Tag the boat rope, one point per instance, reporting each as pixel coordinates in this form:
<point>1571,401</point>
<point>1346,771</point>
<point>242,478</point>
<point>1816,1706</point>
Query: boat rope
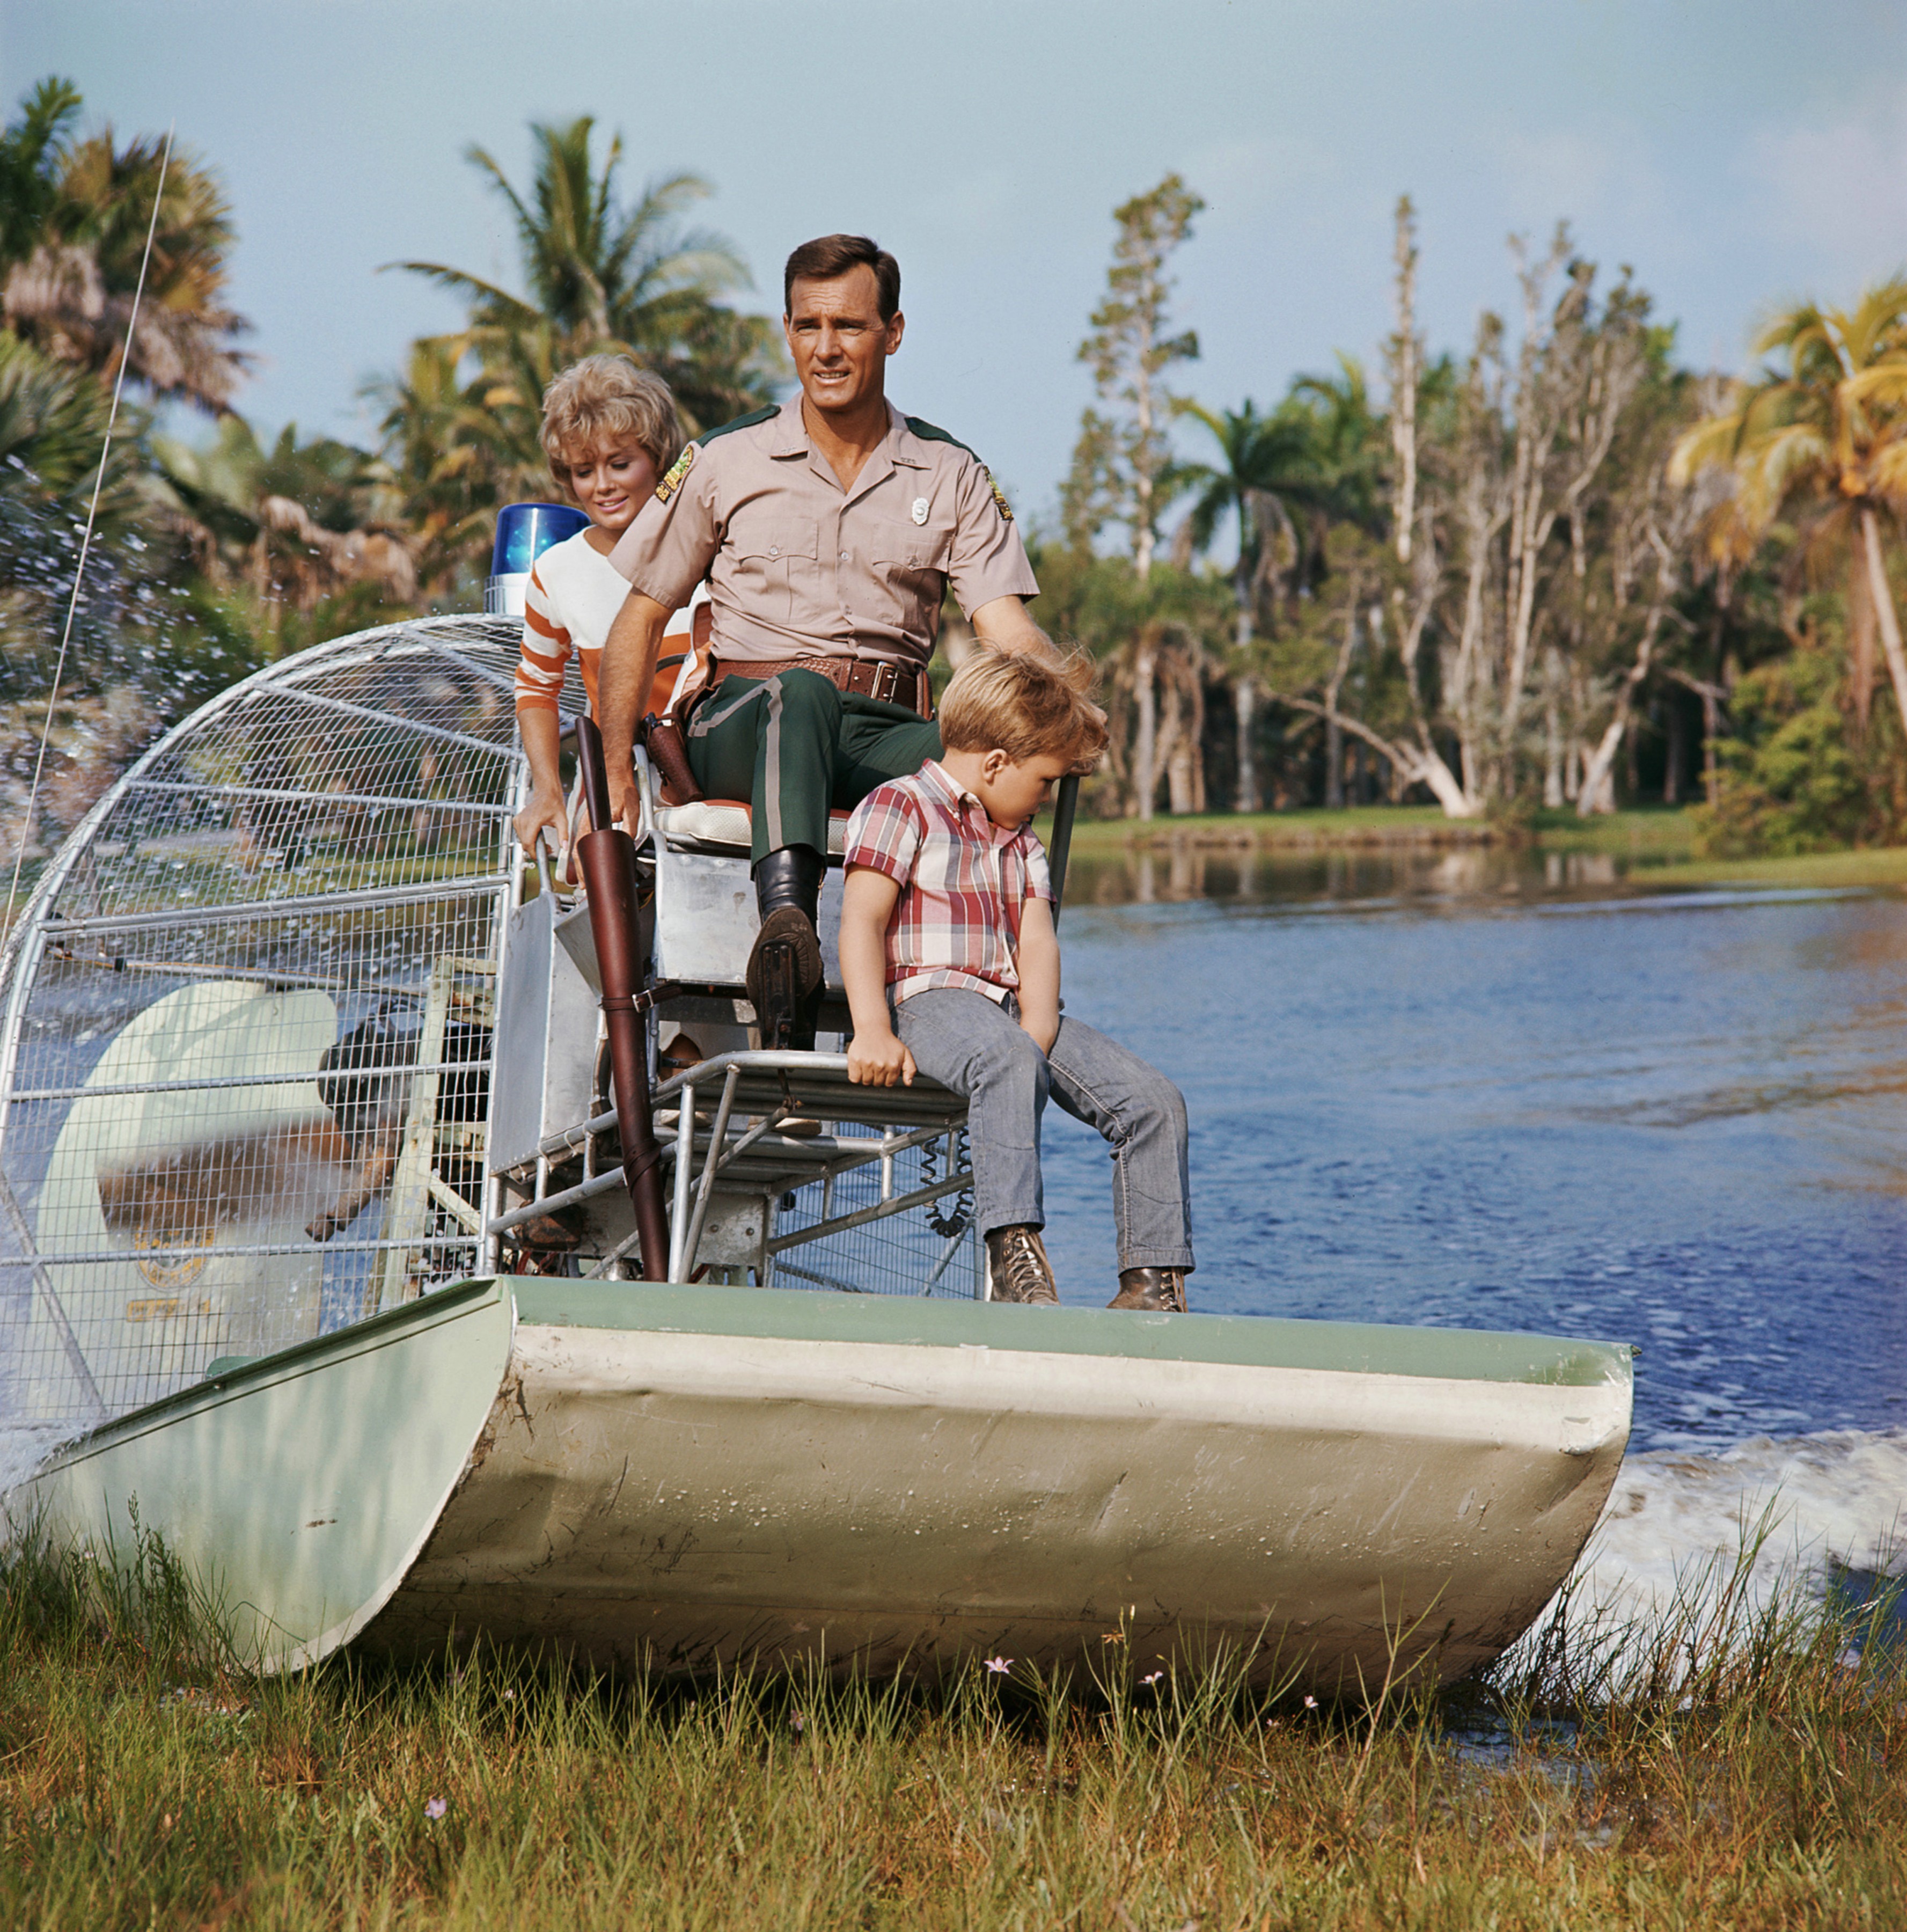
<point>86,539</point>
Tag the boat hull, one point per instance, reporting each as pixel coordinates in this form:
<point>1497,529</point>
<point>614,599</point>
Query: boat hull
<point>682,1478</point>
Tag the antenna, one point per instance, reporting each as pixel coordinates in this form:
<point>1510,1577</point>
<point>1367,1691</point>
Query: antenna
<point>86,542</point>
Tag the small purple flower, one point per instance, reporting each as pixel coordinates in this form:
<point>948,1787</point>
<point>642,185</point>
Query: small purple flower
<point>436,1808</point>
<point>1152,1677</point>
<point>1310,1702</point>
<point>999,1666</point>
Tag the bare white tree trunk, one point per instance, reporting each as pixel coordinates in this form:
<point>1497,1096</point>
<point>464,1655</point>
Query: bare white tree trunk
<point>1333,724</point>
<point>1552,731</point>
<point>1598,791</point>
<point>1142,476</point>
<point>1881,594</point>
<point>1404,384</point>
<point>1245,697</point>
<point>1421,763</point>
<point>1145,697</point>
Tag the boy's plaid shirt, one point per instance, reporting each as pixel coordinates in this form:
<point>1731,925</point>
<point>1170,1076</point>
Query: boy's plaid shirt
<point>962,880</point>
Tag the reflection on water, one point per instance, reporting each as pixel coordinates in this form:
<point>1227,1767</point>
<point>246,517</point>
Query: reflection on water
<point>1675,1121</point>
<point>1179,870</point>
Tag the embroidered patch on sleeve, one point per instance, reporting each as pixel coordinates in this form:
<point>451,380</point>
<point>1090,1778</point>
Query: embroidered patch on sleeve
<point>671,483</point>
<point>1000,497</point>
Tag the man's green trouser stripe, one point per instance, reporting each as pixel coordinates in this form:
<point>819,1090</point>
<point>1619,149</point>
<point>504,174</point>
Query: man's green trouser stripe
<point>796,746</point>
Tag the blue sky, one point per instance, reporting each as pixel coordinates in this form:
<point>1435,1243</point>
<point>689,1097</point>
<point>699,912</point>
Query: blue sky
<point>1733,154</point>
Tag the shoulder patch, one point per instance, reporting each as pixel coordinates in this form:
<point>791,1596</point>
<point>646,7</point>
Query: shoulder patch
<point>929,432</point>
<point>999,495</point>
<point>678,470</point>
<point>748,421</point>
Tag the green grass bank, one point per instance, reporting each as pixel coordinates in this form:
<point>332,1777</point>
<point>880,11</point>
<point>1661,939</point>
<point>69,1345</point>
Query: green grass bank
<point>1650,847</point>
<point>1732,1772</point>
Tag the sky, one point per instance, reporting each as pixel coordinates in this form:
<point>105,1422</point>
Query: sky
<point>1734,153</point>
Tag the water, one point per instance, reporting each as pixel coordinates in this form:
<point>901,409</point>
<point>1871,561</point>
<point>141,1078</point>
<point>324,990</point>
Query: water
<point>1454,1089</point>
<point>1673,1120</point>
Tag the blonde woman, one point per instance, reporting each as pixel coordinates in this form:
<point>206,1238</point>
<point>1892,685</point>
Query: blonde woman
<point>610,432</point>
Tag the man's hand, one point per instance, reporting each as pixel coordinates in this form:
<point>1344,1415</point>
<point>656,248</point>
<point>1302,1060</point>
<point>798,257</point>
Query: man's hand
<point>879,1060</point>
<point>627,674</point>
<point>1004,624</point>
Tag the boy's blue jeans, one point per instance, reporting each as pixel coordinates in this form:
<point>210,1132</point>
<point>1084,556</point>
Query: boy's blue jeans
<point>977,1048</point>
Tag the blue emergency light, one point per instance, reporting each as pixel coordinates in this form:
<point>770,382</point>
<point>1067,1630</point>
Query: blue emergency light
<point>524,531</point>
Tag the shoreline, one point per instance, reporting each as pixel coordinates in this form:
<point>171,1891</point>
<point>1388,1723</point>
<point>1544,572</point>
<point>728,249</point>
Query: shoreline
<point>1648,849</point>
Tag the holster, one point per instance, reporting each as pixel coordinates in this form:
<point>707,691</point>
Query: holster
<point>668,752</point>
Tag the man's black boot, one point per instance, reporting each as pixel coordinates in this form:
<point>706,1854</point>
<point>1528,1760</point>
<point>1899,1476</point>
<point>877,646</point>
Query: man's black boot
<point>785,964</point>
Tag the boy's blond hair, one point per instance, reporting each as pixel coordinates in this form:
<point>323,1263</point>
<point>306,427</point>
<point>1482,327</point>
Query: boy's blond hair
<point>1026,704</point>
<point>608,396</point>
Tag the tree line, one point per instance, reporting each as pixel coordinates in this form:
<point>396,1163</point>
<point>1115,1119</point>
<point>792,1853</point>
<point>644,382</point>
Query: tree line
<point>1556,569</point>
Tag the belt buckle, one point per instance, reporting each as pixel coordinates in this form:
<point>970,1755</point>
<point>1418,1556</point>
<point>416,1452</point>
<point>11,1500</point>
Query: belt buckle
<point>885,678</point>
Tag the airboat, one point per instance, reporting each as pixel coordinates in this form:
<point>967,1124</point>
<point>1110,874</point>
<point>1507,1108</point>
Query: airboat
<point>425,1244</point>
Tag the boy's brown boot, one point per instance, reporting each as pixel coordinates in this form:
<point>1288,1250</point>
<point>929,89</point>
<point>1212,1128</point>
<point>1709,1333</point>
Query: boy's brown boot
<point>1157,1291</point>
<point>1016,1260</point>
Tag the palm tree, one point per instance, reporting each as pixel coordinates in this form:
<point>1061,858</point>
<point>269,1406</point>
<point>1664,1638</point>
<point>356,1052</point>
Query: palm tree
<point>73,238</point>
<point>31,150</point>
<point>1289,476</point>
<point>599,276</point>
<point>293,526</point>
<point>1268,467</point>
<point>455,447</point>
<point>1829,434</point>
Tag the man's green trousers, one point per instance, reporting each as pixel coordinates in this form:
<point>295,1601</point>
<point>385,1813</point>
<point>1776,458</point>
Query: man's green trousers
<point>796,747</point>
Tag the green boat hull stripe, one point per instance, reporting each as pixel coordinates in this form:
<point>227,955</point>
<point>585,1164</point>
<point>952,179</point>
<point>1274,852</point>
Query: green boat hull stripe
<point>1249,1341</point>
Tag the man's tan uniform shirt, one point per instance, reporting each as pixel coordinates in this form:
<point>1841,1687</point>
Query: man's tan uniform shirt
<point>797,566</point>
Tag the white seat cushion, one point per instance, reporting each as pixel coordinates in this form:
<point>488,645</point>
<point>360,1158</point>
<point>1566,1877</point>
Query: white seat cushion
<point>722,825</point>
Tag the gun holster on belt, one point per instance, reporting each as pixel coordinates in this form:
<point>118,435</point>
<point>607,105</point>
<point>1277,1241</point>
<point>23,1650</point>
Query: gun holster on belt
<point>668,752</point>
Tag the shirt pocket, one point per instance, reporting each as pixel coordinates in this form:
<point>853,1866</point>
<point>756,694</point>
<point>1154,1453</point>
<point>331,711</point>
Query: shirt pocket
<point>775,576</point>
<point>909,565</point>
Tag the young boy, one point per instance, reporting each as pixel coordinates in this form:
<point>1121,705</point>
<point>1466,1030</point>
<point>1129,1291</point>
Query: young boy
<point>952,969</point>
<point>610,431</point>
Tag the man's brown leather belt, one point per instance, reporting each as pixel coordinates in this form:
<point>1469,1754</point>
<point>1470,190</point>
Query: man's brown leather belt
<point>866,677</point>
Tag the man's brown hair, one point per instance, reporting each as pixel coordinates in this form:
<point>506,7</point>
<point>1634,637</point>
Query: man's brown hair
<point>1026,704</point>
<point>828,256</point>
<point>608,395</point>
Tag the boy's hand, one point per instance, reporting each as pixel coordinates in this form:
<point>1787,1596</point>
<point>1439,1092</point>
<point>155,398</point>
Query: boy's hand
<point>878,1059</point>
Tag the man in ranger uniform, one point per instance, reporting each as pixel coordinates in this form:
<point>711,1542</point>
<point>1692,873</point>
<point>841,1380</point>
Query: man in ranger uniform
<point>828,529</point>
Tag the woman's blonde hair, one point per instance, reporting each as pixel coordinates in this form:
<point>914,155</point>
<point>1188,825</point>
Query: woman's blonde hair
<point>608,395</point>
<point>1026,704</point>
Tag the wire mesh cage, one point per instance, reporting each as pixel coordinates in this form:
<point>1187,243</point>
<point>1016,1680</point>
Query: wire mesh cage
<point>927,1250</point>
<point>248,1022</point>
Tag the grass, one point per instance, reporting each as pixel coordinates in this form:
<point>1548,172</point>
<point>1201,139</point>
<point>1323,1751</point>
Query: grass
<point>1727,1767</point>
<point>1354,825</point>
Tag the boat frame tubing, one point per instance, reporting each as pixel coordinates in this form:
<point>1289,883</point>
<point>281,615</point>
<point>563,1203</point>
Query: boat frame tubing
<point>607,855</point>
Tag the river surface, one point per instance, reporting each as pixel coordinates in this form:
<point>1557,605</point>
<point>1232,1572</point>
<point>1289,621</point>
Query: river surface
<point>1673,1121</point>
<point>1479,1089</point>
